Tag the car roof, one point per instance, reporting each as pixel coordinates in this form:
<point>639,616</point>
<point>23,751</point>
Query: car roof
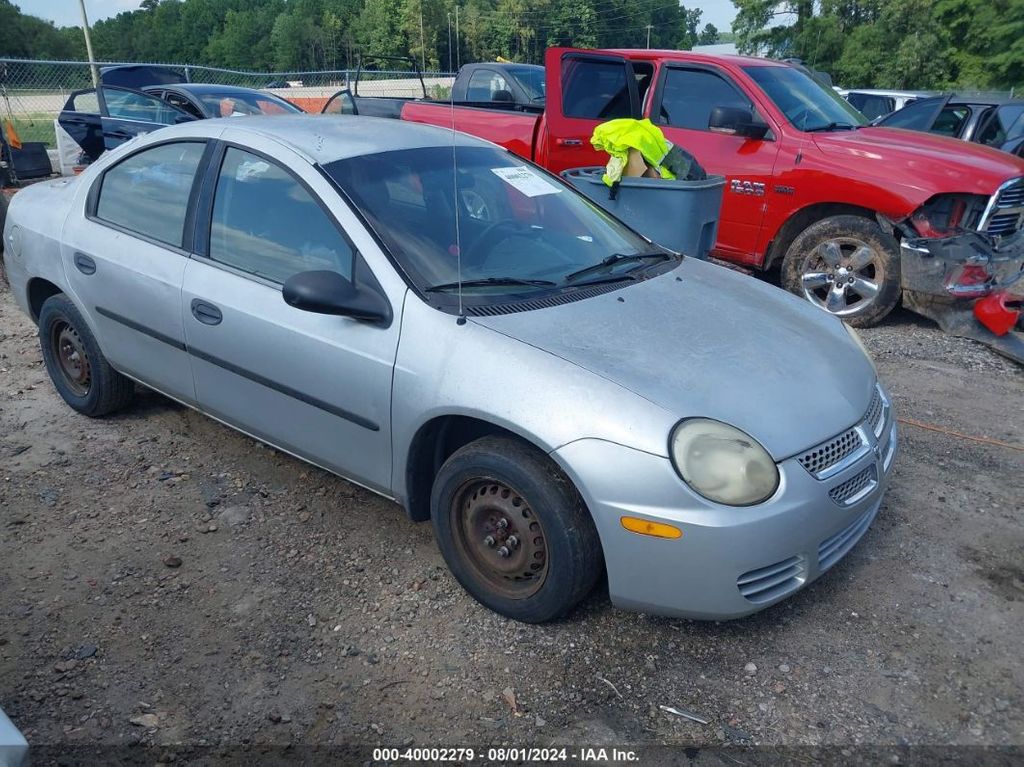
<point>326,138</point>
<point>203,88</point>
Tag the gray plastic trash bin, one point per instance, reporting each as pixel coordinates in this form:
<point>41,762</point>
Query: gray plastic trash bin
<point>681,215</point>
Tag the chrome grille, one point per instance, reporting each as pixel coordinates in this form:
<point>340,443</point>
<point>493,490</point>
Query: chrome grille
<point>830,453</point>
<point>768,583</point>
<point>828,458</point>
<point>856,487</point>
<point>1012,197</point>
<point>838,546</point>
<point>1005,211</point>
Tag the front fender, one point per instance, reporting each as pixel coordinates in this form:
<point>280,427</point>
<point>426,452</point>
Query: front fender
<point>444,368</point>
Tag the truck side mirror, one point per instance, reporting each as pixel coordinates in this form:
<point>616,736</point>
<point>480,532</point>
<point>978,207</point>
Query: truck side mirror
<point>736,121</point>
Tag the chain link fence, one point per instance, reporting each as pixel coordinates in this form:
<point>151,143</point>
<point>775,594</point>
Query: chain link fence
<point>33,92</point>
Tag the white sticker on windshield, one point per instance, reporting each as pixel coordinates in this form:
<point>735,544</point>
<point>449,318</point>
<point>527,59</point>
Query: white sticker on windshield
<point>526,181</point>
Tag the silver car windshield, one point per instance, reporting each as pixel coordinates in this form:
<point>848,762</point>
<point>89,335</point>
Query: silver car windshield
<point>520,230</point>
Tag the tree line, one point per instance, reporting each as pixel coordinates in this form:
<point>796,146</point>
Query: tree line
<point>862,43</point>
<point>304,35</point>
<point>967,44</point>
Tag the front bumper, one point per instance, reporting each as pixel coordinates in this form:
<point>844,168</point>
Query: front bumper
<point>967,265</point>
<point>942,278</point>
<point>730,562</point>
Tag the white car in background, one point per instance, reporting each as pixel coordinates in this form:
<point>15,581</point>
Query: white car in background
<point>874,103</point>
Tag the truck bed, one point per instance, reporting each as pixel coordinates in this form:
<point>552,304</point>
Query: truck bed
<point>516,130</point>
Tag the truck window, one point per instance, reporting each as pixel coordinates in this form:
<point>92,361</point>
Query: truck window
<point>595,90</point>
<point>689,95</point>
<point>484,83</point>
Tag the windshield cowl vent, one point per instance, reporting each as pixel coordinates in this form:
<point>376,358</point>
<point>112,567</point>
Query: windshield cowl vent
<point>493,310</point>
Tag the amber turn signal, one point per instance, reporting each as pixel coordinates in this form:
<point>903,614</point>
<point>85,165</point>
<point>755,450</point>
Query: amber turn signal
<point>647,527</point>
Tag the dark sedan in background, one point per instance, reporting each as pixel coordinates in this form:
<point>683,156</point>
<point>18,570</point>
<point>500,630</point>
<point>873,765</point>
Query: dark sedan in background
<point>205,100</point>
<point>991,120</point>
<point>100,119</point>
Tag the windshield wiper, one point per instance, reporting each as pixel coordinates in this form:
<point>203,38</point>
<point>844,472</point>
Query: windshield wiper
<point>615,258</point>
<point>831,127</point>
<point>490,281</point>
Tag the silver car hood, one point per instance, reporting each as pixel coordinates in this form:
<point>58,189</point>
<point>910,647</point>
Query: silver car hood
<point>717,344</point>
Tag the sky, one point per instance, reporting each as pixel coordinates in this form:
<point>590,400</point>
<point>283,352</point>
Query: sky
<point>66,13</point>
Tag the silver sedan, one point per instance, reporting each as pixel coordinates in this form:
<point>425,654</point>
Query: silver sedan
<point>431,317</point>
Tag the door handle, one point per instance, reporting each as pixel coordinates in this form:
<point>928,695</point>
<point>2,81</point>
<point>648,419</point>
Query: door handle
<point>569,141</point>
<point>208,314</point>
<point>84,264</point>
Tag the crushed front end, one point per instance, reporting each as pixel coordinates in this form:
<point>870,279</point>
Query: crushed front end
<point>957,250</point>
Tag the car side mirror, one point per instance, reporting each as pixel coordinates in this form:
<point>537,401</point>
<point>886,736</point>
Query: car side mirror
<point>327,292</point>
<point>736,121</point>
<point>183,118</point>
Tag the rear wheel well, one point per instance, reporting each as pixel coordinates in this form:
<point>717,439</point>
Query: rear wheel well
<point>38,291</point>
<point>802,219</point>
<point>433,444</point>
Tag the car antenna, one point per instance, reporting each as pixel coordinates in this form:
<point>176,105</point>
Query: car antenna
<point>455,203</point>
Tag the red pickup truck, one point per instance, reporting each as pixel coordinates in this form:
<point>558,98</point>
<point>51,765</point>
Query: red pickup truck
<point>849,211</point>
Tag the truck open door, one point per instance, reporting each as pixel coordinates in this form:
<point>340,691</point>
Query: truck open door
<point>585,89</point>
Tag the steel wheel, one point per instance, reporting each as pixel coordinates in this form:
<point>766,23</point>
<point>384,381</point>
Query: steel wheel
<point>72,358</point>
<point>843,276</point>
<point>500,537</point>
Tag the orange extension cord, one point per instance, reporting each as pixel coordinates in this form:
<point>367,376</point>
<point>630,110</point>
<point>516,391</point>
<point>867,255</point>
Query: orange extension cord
<point>968,437</point>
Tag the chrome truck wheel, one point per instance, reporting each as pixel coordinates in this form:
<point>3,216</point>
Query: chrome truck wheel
<point>847,266</point>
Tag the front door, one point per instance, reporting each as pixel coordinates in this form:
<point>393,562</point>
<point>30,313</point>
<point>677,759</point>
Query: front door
<point>682,105</point>
<point>316,385</point>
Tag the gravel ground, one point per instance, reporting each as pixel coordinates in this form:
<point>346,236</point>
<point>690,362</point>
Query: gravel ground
<point>166,580</point>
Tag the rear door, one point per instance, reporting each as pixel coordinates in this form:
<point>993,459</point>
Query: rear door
<point>125,260</point>
<point>104,120</point>
<point>685,96</point>
<point>585,89</point>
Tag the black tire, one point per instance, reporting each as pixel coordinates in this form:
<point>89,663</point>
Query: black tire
<point>543,511</point>
<point>826,265</point>
<point>3,218</point>
<point>101,389</point>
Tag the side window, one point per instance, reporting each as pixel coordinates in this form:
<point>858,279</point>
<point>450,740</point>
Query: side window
<point>126,105</point>
<point>1001,125</point>
<point>950,120</point>
<point>479,88</point>
<point>595,90</point>
<point>267,224</point>
<point>689,96</point>
<point>181,102</point>
<point>86,103</point>
<point>148,192</point>
<point>912,117</point>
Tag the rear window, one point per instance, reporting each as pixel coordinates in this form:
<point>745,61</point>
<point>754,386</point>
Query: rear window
<point>148,193</point>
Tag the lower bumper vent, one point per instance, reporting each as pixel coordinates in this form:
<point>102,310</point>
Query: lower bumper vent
<point>768,583</point>
<point>838,546</point>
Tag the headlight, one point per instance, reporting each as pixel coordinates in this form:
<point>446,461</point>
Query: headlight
<point>860,343</point>
<point>722,463</point>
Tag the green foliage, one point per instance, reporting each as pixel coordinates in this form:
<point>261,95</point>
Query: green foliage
<point>301,35</point>
<point>912,44</point>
